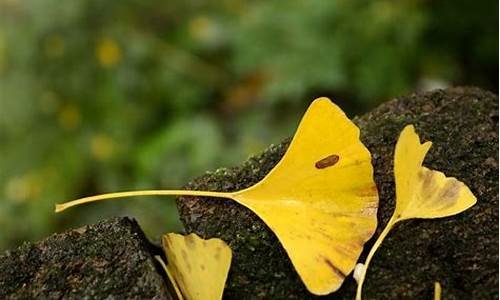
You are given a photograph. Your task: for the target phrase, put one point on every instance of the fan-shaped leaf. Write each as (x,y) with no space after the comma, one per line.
(420,192)
(320,200)
(196,267)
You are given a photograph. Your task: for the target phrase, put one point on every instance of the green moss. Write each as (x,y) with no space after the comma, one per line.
(461,252)
(109,259)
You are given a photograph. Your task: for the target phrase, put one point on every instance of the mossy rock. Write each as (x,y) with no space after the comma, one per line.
(461,252)
(109,260)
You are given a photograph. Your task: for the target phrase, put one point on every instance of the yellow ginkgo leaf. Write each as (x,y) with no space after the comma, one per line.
(420,192)
(197,268)
(320,200)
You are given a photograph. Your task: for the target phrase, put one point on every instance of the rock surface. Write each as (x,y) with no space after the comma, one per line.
(461,252)
(113,259)
(109,260)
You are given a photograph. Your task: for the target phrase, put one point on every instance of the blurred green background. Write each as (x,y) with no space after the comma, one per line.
(101,96)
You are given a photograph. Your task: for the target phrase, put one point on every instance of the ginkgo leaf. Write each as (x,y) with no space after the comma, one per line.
(197,268)
(320,200)
(420,192)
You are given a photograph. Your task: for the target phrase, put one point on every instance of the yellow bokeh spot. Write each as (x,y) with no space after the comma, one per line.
(102,146)
(69,117)
(23,188)
(108,53)
(203,29)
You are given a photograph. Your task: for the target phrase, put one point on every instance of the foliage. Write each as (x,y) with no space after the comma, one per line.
(197,268)
(98,96)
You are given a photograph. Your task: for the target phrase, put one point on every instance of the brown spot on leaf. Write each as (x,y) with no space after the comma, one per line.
(429,186)
(325,235)
(449,193)
(332,266)
(348,249)
(428,177)
(370,191)
(217,253)
(202,267)
(327,161)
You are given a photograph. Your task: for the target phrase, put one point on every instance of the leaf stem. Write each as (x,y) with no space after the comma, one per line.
(374,248)
(61,207)
(437,291)
(170,278)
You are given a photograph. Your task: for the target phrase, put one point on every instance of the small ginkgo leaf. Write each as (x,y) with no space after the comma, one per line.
(197,268)
(420,192)
(320,200)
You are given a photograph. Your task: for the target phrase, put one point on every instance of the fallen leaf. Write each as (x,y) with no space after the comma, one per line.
(420,192)
(197,268)
(320,200)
